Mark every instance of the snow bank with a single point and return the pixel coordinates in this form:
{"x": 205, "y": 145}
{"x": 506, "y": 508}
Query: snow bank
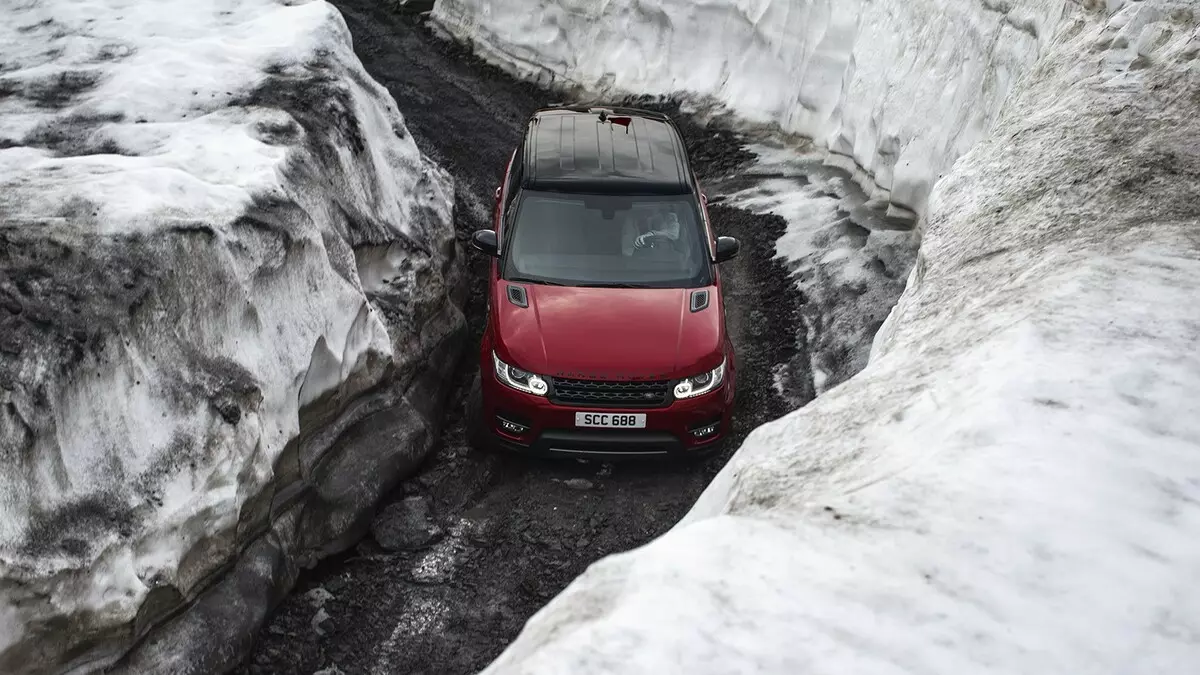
{"x": 1013, "y": 483}
{"x": 896, "y": 90}
{"x": 849, "y": 261}
{"x": 227, "y": 295}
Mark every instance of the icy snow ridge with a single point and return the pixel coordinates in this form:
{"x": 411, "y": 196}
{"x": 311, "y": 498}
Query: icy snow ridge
{"x": 224, "y": 268}
{"x": 896, "y": 90}
{"x": 1012, "y": 485}
{"x": 849, "y": 261}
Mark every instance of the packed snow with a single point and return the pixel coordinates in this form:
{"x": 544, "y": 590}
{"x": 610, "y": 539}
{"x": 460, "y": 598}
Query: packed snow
{"x": 849, "y": 261}
{"x": 220, "y": 250}
{"x": 1012, "y": 485}
{"x": 896, "y": 90}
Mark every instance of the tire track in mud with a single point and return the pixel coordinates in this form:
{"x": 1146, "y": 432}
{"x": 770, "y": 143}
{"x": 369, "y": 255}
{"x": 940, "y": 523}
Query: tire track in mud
{"x": 485, "y": 540}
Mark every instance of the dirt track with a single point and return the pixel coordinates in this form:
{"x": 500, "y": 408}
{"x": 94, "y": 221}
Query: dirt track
{"x": 504, "y": 534}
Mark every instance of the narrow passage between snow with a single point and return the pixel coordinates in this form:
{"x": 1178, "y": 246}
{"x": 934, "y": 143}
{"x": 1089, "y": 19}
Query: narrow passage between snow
{"x": 465, "y": 552}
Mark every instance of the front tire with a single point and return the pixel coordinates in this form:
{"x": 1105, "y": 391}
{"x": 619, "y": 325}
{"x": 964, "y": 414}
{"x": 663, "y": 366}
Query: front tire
{"x": 473, "y": 416}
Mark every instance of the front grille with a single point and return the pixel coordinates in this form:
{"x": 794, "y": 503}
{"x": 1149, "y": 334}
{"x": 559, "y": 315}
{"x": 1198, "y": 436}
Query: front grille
{"x": 619, "y": 394}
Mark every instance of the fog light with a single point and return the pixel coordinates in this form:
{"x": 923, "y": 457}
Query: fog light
{"x": 511, "y": 427}
{"x": 707, "y": 430}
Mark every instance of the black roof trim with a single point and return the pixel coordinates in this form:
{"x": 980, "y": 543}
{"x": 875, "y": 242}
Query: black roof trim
{"x": 578, "y": 149}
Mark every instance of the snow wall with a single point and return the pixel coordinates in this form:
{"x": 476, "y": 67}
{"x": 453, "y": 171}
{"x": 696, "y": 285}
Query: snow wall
{"x": 895, "y": 90}
{"x": 1012, "y": 485}
{"x": 228, "y": 310}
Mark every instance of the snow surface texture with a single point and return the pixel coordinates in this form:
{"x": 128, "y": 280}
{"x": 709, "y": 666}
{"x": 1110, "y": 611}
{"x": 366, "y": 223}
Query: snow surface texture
{"x": 1013, "y": 483}
{"x": 227, "y": 293}
{"x": 896, "y": 90}
{"x": 849, "y": 262}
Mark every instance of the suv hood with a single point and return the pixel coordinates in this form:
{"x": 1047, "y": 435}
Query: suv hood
{"x": 609, "y": 333}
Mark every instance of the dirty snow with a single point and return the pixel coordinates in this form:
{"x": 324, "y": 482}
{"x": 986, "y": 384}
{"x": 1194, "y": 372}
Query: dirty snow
{"x": 184, "y": 188}
{"x": 866, "y": 80}
{"x": 849, "y": 261}
{"x": 1013, "y": 483}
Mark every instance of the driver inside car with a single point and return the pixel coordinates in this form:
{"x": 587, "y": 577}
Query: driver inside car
{"x": 657, "y": 227}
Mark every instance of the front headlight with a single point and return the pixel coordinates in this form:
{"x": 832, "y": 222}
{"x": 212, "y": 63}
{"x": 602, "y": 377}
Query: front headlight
{"x": 702, "y": 383}
{"x": 519, "y": 379}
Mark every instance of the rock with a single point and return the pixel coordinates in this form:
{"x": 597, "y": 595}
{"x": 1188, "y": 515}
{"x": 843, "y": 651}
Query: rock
{"x": 321, "y": 617}
{"x": 406, "y": 526}
{"x": 318, "y": 596}
{"x": 578, "y": 484}
{"x": 336, "y": 584}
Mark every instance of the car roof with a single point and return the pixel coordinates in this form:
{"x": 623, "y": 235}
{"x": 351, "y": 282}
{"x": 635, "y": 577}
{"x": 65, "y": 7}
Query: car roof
{"x": 604, "y": 150}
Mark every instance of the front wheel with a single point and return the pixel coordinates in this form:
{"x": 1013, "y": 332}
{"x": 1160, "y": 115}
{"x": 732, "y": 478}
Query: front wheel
{"x": 473, "y": 416}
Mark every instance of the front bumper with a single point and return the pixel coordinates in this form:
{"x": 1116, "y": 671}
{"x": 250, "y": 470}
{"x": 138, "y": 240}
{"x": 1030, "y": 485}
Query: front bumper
{"x": 548, "y": 428}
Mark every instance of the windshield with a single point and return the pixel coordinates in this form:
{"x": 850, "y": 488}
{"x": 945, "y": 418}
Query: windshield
{"x": 652, "y": 241}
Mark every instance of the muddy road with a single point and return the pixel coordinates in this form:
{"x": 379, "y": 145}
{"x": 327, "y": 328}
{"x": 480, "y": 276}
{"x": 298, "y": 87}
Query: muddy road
{"x": 466, "y": 551}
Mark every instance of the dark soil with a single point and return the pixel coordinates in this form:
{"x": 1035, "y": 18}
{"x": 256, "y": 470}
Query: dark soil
{"x": 485, "y": 540}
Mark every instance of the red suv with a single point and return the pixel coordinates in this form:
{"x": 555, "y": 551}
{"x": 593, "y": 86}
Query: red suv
{"x": 605, "y": 325}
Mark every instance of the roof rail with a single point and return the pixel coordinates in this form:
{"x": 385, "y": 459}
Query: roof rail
{"x": 596, "y": 108}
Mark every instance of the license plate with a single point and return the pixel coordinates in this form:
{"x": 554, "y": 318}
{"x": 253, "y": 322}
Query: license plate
{"x": 611, "y": 420}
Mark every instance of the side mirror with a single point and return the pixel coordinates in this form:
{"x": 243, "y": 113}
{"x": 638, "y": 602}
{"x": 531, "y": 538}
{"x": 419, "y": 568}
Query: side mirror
{"x": 704, "y": 199}
{"x": 485, "y": 241}
{"x": 727, "y": 248}
{"x": 499, "y": 191}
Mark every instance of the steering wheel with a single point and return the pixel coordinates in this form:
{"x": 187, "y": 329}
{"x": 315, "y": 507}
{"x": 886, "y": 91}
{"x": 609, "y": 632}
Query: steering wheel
{"x": 651, "y": 241}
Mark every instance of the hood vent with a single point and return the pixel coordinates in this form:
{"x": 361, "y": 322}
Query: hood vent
{"x": 518, "y": 296}
{"x": 699, "y": 300}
